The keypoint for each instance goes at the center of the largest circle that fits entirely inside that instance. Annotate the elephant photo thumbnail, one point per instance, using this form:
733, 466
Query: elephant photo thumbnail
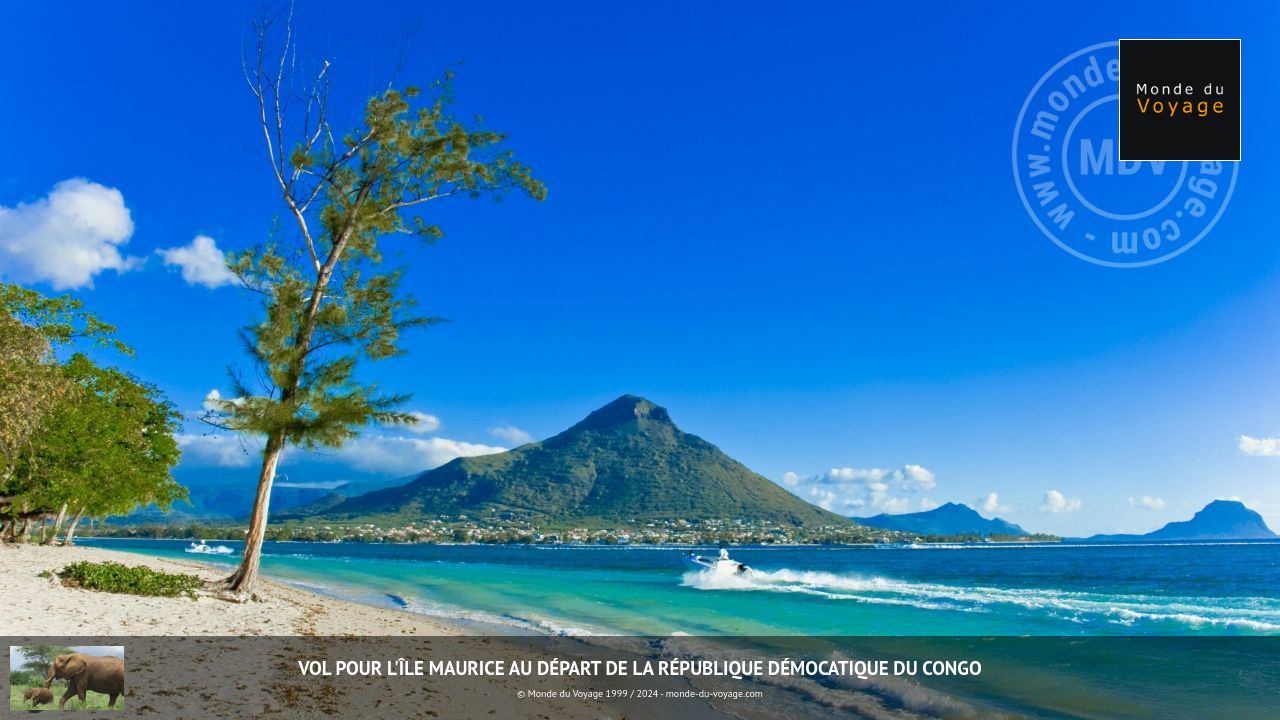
54, 677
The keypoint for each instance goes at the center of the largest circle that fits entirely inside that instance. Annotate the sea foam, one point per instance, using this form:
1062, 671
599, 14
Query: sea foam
1251, 614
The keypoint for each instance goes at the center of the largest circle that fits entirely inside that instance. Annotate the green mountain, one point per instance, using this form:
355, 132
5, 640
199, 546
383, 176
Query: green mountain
624, 463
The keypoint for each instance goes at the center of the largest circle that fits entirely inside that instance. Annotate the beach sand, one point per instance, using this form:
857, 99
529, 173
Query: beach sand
191, 658
34, 605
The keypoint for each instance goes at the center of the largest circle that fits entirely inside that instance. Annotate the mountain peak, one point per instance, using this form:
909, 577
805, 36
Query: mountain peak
625, 463
625, 409
948, 519
1219, 520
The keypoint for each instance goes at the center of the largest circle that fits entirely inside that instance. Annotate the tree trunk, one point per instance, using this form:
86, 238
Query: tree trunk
57, 526
243, 581
26, 530
71, 529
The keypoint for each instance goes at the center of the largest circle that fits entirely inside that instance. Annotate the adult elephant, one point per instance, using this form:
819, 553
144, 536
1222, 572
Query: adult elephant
88, 672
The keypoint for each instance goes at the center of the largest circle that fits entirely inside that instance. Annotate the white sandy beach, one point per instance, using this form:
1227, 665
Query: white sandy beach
164, 679
34, 605
31, 605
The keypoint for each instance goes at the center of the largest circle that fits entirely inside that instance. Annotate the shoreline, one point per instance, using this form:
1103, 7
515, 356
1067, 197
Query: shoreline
42, 606
1066, 542
295, 622
377, 597
315, 624
656, 546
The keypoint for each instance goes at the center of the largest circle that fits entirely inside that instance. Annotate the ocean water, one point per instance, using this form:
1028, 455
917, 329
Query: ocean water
1220, 588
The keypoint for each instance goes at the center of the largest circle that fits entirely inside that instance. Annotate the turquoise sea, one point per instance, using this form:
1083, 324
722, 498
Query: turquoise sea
1214, 588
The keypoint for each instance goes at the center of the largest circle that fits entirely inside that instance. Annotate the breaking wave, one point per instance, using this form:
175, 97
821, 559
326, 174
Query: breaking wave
1136, 612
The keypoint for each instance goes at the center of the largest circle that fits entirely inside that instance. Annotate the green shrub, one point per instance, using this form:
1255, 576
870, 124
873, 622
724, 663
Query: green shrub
117, 578
25, 678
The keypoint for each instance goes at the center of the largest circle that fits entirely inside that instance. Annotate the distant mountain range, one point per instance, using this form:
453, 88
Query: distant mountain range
627, 462
232, 500
948, 519
1219, 520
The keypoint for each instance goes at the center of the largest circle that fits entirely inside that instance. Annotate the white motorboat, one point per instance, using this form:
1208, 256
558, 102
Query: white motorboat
718, 565
204, 548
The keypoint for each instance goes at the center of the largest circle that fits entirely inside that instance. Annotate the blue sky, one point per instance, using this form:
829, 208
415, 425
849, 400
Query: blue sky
794, 227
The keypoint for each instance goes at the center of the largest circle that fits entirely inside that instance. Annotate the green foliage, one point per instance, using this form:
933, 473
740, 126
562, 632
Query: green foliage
39, 658
105, 448
26, 678
328, 298
189, 531
30, 387
331, 301
75, 437
627, 462
61, 320
130, 580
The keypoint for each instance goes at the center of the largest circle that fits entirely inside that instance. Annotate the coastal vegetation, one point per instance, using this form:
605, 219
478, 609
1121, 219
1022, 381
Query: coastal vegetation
130, 580
328, 300
78, 438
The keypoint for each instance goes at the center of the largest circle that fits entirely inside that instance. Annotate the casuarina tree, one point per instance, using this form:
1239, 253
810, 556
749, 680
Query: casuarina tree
329, 300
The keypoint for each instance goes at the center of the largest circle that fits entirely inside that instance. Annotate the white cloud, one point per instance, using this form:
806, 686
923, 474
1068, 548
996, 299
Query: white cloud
388, 454
511, 434
865, 491
912, 476
919, 477
426, 423
222, 450
396, 455
1260, 447
201, 262
991, 505
1147, 502
66, 238
214, 402
1058, 504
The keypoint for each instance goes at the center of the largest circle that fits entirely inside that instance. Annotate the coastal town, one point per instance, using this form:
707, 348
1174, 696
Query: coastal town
499, 530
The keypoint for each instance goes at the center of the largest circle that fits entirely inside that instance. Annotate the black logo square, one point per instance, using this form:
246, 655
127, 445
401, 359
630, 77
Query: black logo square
1179, 100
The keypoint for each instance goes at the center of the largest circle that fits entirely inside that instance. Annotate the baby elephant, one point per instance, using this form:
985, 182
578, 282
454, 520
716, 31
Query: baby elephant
38, 696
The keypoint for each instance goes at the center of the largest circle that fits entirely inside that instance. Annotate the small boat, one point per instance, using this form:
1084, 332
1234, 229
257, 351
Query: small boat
203, 548
722, 564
